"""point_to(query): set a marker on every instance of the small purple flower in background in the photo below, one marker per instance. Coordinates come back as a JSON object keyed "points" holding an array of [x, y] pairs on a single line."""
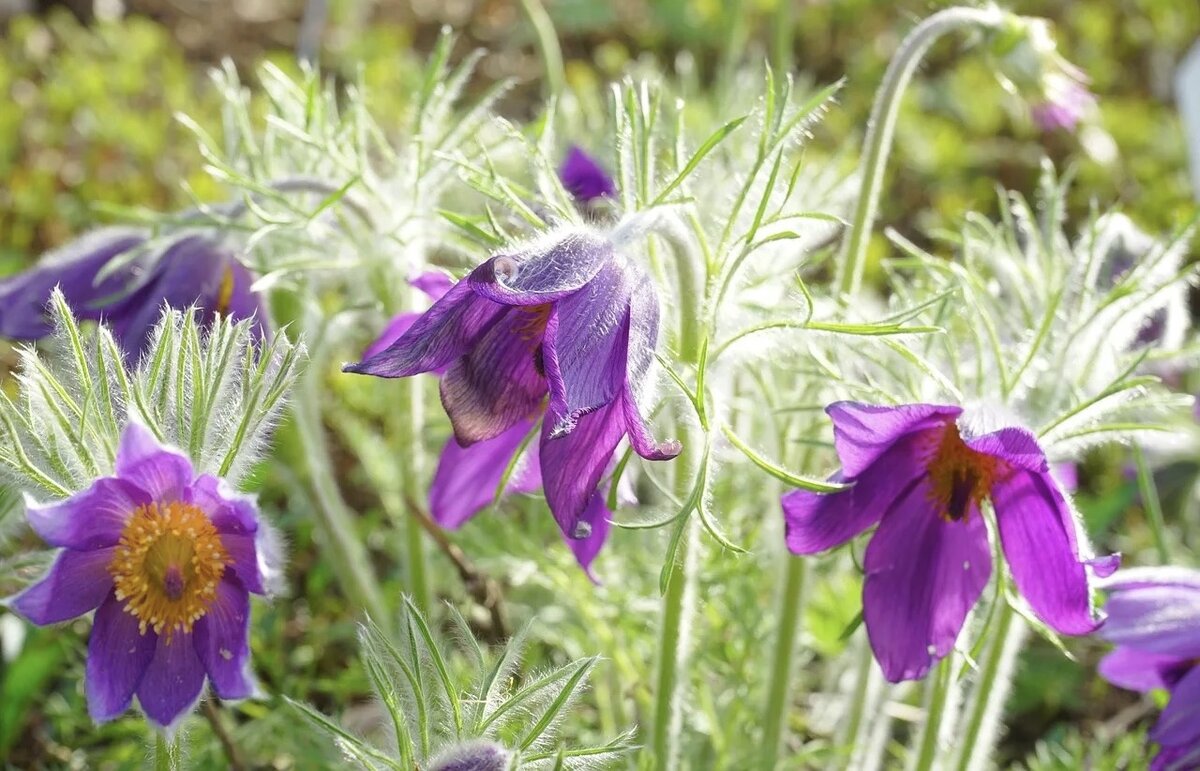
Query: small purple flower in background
{"points": [[584, 178], [478, 755], [1154, 620], [567, 318], [1066, 101], [167, 559], [1030, 66], [192, 270], [912, 470]]}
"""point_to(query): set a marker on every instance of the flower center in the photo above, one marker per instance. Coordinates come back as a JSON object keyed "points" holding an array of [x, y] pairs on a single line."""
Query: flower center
{"points": [[167, 565], [960, 477], [225, 292], [532, 322]]}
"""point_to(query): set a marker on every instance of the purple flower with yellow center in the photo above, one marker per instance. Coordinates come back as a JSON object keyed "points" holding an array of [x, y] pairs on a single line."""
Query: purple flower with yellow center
{"points": [[563, 329], [916, 473], [193, 270], [1154, 620], [167, 559], [584, 178]]}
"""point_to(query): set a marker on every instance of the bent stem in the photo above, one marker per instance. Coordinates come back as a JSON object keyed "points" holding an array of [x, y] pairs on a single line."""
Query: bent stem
{"points": [[794, 574], [882, 126]]}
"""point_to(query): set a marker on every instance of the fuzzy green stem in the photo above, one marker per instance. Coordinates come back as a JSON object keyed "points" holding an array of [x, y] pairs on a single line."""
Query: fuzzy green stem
{"points": [[784, 37], [882, 126], [1151, 504], [167, 756], [335, 523], [412, 471], [1006, 632], [794, 574], [858, 704], [547, 45], [935, 705], [673, 649]]}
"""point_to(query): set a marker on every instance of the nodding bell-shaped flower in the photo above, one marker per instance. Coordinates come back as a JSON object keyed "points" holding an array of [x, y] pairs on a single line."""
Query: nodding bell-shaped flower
{"points": [[167, 559], [1154, 620], [915, 473], [564, 330], [1030, 65], [584, 178], [192, 270]]}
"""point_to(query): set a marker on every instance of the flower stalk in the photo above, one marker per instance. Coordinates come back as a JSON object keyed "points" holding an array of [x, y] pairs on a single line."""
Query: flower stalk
{"points": [[987, 697], [935, 707], [167, 755], [795, 572], [674, 648]]}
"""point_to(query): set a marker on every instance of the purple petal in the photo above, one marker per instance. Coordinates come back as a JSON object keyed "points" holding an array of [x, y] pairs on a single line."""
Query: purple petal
{"points": [[923, 576], [244, 561], [1156, 610], [596, 517], [586, 347], [117, 658], [863, 432], [231, 512], [171, 685], [76, 583], [73, 268], [547, 271], [433, 283], [90, 519], [1176, 759], [643, 327], [573, 464], [395, 328], [583, 177], [1015, 446], [222, 639], [497, 383], [816, 522], [643, 443], [466, 478], [1137, 670], [1067, 474], [1179, 723], [443, 333], [1037, 532], [161, 473]]}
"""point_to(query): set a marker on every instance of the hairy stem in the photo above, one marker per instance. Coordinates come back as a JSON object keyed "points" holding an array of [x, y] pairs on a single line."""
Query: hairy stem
{"points": [[673, 650], [935, 706], [167, 756], [991, 689], [860, 697], [882, 125], [780, 680]]}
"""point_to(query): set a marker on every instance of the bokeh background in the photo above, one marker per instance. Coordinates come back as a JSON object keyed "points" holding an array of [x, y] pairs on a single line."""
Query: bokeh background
{"points": [[88, 95]]}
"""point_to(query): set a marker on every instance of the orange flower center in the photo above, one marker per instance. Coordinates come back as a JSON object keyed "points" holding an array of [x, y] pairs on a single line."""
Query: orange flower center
{"points": [[960, 477], [225, 292], [532, 322], [167, 565]]}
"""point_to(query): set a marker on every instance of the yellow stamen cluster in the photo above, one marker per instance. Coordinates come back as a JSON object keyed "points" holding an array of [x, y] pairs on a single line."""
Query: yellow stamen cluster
{"points": [[959, 477], [167, 566]]}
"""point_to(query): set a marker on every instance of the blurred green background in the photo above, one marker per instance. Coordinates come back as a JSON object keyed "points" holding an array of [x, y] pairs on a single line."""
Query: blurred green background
{"points": [[90, 91]]}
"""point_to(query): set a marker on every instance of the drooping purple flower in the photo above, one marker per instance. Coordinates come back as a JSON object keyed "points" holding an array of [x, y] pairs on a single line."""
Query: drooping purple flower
{"points": [[167, 559], [432, 283], [584, 178], [914, 472], [1154, 620], [1066, 100], [192, 270], [564, 328]]}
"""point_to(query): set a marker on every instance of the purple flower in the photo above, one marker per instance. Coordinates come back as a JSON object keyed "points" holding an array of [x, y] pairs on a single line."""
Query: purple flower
{"points": [[1154, 620], [1066, 100], [583, 177], [167, 559], [565, 327], [916, 474], [191, 270], [477, 755]]}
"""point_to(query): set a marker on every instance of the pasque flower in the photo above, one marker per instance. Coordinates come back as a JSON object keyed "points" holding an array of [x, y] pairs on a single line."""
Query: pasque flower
{"points": [[167, 559], [917, 474], [1154, 620], [584, 178], [564, 329], [191, 270]]}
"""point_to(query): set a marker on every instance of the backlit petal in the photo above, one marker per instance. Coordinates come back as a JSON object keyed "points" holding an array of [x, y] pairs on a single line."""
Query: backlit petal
{"points": [[545, 271], [863, 432], [466, 478], [1137, 670], [573, 464]]}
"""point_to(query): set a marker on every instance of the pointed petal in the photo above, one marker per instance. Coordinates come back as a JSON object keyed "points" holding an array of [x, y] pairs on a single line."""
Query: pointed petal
{"points": [[433, 283], [572, 465], [863, 432], [1137, 670], [586, 347], [171, 685], [230, 510], [117, 658], [76, 583], [496, 384], [816, 522], [90, 519], [443, 333], [1156, 610], [596, 517], [466, 478], [1037, 532], [243, 561], [162, 473], [1179, 723], [394, 330], [222, 639], [1015, 446], [546, 271], [923, 576], [583, 177], [643, 443]]}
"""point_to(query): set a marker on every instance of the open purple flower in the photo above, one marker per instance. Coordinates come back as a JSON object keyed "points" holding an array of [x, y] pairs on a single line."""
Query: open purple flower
{"points": [[167, 559], [584, 178], [192, 270], [564, 327], [1154, 620], [916, 474]]}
